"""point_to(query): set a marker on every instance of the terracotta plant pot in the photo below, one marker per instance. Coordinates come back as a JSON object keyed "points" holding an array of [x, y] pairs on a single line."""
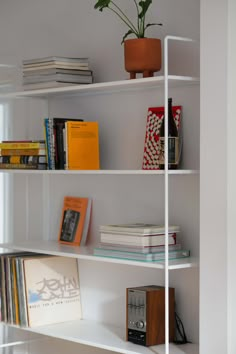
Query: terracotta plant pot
{"points": [[142, 55]]}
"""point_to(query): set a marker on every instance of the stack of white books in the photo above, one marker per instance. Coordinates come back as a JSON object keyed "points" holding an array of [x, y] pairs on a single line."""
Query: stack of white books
{"points": [[55, 71], [139, 241]]}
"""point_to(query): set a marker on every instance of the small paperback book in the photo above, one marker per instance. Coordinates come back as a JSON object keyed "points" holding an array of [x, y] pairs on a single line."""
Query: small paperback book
{"points": [[82, 146], [75, 220], [52, 290]]}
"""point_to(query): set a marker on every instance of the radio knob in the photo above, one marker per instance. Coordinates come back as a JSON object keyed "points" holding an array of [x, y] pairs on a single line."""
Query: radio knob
{"points": [[140, 324]]}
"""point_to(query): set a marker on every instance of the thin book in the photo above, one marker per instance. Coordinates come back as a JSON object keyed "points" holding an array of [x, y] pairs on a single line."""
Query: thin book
{"points": [[137, 229], [54, 58], [139, 256], [144, 241]]}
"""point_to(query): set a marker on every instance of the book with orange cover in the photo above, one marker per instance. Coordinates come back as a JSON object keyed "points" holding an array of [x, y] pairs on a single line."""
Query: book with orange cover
{"points": [[75, 220], [82, 146]]}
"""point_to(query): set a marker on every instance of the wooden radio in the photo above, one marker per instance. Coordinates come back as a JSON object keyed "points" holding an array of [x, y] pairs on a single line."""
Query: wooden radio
{"points": [[145, 315]]}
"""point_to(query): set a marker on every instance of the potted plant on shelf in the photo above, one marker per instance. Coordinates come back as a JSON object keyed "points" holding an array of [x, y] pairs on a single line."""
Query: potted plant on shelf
{"points": [[142, 55]]}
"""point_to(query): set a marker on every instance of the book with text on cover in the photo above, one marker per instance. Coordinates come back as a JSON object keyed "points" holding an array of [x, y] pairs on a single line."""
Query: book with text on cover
{"points": [[82, 146], [75, 220], [52, 290]]}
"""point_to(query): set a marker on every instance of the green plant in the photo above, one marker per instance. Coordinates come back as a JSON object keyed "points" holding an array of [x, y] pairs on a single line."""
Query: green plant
{"points": [[142, 7]]}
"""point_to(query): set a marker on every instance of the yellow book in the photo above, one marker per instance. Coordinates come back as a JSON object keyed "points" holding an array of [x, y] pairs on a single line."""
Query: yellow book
{"points": [[15, 293], [82, 146], [22, 145]]}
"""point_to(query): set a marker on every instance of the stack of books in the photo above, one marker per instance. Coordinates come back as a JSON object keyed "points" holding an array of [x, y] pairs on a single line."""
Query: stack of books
{"points": [[141, 242], [38, 289], [26, 154], [55, 71]]}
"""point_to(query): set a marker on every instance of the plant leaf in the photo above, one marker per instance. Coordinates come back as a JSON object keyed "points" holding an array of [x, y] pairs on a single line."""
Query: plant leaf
{"points": [[144, 4], [152, 24], [101, 4], [126, 35]]}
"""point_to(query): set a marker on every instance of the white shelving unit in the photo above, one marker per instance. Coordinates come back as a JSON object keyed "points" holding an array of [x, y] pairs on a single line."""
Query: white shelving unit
{"points": [[38, 219]]}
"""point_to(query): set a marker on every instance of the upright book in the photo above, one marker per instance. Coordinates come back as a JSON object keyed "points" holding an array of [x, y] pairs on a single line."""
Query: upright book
{"points": [[82, 146], [75, 220]]}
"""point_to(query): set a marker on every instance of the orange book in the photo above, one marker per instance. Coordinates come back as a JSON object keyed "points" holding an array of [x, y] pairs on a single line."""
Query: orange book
{"points": [[75, 220], [82, 146]]}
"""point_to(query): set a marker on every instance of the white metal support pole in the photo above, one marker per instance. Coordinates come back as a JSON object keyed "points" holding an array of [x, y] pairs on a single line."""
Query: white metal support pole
{"points": [[166, 198], [166, 76]]}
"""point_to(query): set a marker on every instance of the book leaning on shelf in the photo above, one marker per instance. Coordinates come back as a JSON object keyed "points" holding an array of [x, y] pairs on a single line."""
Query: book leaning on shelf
{"points": [[75, 221], [39, 289]]}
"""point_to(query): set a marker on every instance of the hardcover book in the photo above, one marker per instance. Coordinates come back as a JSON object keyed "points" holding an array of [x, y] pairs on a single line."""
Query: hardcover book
{"points": [[152, 144], [52, 290], [75, 220]]}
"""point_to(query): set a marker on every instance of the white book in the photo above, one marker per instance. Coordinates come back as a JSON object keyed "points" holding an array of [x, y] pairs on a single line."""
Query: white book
{"points": [[137, 229], [155, 240], [49, 84], [52, 290], [54, 58], [139, 256], [139, 249], [34, 67], [37, 72], [88, 79]]}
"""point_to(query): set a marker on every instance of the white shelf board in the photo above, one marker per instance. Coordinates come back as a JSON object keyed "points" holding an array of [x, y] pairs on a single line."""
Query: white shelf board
{"points": [[105, 87], [105, 337], [100, 172], [12, 336], [86, 253]]}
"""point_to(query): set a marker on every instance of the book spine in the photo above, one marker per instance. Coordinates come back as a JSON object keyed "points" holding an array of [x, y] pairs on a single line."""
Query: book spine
{"points": [[33, 145], [46, 125], [23, 166], [3, 291], [86, 223], [21, 293], [51, 143], [22, 152], [60, 146], [9, 290], [65, 144], [15, 292], [23, 159]]}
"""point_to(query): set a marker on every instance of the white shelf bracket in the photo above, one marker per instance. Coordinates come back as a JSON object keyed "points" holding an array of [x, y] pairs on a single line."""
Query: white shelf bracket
{"points": [[166, 95]]}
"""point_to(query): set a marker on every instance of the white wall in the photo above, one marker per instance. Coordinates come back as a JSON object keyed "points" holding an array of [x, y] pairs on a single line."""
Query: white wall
{"points": [[34, 28], [213, 182], [231, 169]]}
